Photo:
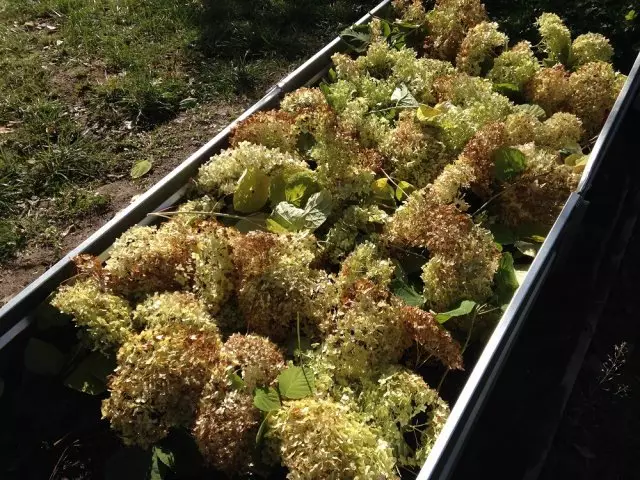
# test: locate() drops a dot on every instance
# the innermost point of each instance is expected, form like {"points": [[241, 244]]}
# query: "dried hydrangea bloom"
{"points": [[273, 129], [214, 273], [590, 47], [356, 221], [157, 385], [194, 212], [556, 37], [481, 44], [105, 316], [516, 66], [549, 89], [321, 439], [371, 130], [560, 131], [258, 359], [521, 127], [395, 402], [220, 175], [478, 154], [435, 340], [454, 177], [375, 91], [541, 191], [419, 74], [346, 67], [303, 99], [369, 333], [463, 273], [593, 92], [277, 286], [378, 60], [462, 89], [225, 429], [174, 308], [449, 23], [411, 11], [149, 259], [365, 263], [415, 154]]}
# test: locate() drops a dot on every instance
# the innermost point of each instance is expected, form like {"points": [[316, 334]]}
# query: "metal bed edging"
{"points": [[156, 197], [448, 446]]}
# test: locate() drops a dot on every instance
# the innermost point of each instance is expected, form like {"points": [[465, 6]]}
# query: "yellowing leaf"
{"points": [[403, 190], [252, 191], [425, 113], [141, 168]]}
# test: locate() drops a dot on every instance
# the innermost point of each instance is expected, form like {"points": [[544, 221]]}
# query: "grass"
{"points": [[85, 84]]}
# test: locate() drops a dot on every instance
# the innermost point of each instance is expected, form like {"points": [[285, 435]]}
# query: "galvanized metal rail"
{"points": [[17, 315]]}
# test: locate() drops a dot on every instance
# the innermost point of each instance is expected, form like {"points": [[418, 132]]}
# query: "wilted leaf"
{"points": [[505, 280], [509, 162], [295, 383], [288, 218], [465, 308], [581, 164], [299, 188], [527, 248], [43, 358], [141, 168], [252, 191], [573, 159], [383, 192], [403, 190], [403, 97], [90, 376], [401, 288], [266, 399], [532, 109]]}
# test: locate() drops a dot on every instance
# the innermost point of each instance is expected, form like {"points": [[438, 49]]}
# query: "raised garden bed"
{"points": [[356, 251]]}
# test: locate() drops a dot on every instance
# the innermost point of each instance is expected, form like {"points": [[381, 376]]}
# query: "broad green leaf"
{"points": [[520, 273], [507, 89], [236, 381], [90, 376], [630, 16], [505, 280], [532, 109], [527, 248], [465, 308], [386, 28], [425, 113], [357, 37], [289, 218], [509, 162], [277, 189], [574, 158], [255, 221], [383, 192], [502, 234], [403, 97], [299, 188], [43, 358], [162, 463], [401, 288], [403, 190], [266, 399], [333, 76], [252, 191], [141, 168], [295, 383]]}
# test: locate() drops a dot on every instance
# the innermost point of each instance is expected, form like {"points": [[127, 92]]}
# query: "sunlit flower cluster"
{"points": [[480, 46]]}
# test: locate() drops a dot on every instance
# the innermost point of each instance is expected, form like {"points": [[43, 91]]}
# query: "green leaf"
{"points": [[357, 37], [43, 358], [162, 463], [141, 168], [527, 248], [289, 218], [403, 97], [581, 164], [90, 376], [299, 188], [573, 159], [425, 113], [503, 234], [333, 76], [266, 399], [403, 190], [236, 381], [277, 189], [252, 191], [532, 109], [465, 308], [509, 162], [383, 192], [295, 383], [255, 221], [509, 90], [505, 280], [630, 16], [400, 287]]}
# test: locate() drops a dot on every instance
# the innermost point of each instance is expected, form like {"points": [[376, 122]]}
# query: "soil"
{"points": [[170, 143]]}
